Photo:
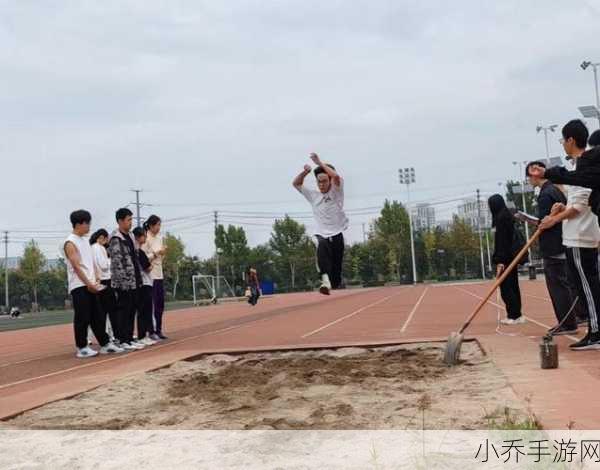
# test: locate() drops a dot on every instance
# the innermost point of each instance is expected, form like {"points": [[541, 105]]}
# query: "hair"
{"points": [[594, 140], [576, 130], [139, 232], [80, 217], [123, 213], [152, 221], [320, 170], [97, 234], [497, 207], [530, 164]]}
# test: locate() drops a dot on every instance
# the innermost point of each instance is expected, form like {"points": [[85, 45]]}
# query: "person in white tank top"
{"points": [[83, 287]]}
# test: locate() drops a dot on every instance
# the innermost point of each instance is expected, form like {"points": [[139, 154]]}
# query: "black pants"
{"points": [[144, 311], [511, 295], [584, 263], [562, 291], [254, 295], [87, 314], [108, 305], [126, 308], [330, 258]]}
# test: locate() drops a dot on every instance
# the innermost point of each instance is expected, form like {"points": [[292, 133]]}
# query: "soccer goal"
{"points": [[208, 287]]}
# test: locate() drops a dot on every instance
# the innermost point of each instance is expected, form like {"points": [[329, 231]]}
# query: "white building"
{"points": [[468, 211], [423, 216]]}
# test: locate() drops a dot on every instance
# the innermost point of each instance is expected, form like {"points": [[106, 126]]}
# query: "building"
{"points": [[423, 216], [468, 211]]}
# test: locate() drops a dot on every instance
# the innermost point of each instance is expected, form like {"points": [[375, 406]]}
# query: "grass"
{"points": [[506, 420], [59, 317]]}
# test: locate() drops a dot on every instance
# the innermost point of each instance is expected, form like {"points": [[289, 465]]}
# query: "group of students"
{"points": [[119, 277], [568, 205]]}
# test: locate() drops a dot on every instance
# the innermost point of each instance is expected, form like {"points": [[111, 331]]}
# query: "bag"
{"points": [[518, 242], [248, 293]]}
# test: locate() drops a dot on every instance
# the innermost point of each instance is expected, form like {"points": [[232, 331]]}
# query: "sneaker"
{"points": [[582, 321], [137, 345], [127, 347], [590, 341], [111, 348], [161, 336], [556, 331], [325, 288], [86, 352], [155, 337], [147, 341]]}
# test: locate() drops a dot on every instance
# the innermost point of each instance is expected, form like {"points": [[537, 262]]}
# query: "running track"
{"points": [[38, 366]]}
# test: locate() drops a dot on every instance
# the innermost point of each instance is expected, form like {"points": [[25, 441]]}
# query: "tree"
{"points": [[31, 267], [173, 257], [392, 228], [234, 250], [291, 247]]}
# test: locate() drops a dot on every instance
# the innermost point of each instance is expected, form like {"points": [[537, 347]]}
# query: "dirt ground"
{"points": [[401, 387]]}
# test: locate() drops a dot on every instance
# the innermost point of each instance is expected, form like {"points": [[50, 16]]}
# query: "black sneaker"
{"points": [[161, 336], [590, 341], [582, 321]]}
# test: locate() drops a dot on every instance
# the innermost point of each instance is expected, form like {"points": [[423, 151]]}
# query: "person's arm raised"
{"points": [[335, 177], [299, 180]]}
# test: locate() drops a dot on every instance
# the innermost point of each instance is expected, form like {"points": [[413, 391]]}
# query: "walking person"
{"points": [[581, 234], [559, 279], [126, 277], [253, 286], [155, 249], [144, 293], [106, 297], [507, 243], [83, 287], [328, 209]]}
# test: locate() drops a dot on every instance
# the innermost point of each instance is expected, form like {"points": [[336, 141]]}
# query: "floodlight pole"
{"points": [[584, 65], [521, 163], [407, 177]]}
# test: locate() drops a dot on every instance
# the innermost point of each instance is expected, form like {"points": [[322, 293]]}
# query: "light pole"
{"points": [[551, 128], [479, 233], [520, 164], [407, 176], [584, 65]]}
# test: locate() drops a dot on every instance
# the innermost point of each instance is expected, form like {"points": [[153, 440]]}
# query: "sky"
{"points": [[209, 105]]}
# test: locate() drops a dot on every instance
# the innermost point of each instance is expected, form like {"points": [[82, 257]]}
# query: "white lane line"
{"points": [[414, 310], [537, 297], [503, 308], [356, 312]]}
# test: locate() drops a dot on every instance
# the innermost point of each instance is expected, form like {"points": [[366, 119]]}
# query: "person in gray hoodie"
{"points": [[126, 277]]}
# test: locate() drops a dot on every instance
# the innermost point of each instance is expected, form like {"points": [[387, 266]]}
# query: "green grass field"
{"points": [[58, 317]]}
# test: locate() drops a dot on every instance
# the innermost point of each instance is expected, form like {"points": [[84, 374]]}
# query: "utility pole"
{"points": [[6, 300], [138, 217], [489, 256], [218, 284], [584, 65], [407, 177], [479, 233], [520, 164]]}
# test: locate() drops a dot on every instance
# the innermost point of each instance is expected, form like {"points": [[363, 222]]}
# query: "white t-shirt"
{"points": [[581, 231], [101, 261], [328, 209], [86, 262]]}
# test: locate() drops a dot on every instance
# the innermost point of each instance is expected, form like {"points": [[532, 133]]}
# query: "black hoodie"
{"points": [[503, 221], [586, 175]]}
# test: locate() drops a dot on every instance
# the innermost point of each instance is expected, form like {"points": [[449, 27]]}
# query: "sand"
{"points": [[400, 387]]}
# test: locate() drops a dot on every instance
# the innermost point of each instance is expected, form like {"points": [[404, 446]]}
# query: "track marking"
{"points": [[414, 310], [503, 308], [537, 297], [356, 312]]}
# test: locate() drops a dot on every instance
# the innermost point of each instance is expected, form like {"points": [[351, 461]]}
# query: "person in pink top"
{"points": [[155, 250]]}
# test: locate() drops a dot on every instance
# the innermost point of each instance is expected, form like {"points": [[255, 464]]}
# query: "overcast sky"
{"points": [[214, 105]]}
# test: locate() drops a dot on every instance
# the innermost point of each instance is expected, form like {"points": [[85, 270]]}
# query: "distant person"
{"points": [[253, 286], [328, 209], [83, 287], [144, 297], [581, 234], [507, 243], [126, 277], [155, 250], [559, 279], [106, 297], [594, 140], [15, 312]]}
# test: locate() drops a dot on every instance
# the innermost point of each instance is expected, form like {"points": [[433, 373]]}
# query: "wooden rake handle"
{"points": [[501, 279]]}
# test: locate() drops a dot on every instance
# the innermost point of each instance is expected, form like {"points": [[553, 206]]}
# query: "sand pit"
{"points": [[350, 388]]}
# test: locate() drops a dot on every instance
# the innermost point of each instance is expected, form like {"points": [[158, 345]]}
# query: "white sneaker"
{"points": [[137, 345], [111, 348], [325, 288], [147, 341], [127, 347], [510, 321], [86, 352], [520, 320]]}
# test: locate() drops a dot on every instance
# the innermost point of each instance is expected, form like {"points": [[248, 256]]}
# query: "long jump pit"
{"points": [[396, 387]]}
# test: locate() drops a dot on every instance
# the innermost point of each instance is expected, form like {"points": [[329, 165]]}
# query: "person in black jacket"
{"points": [[587, 171], [504, 252], [559, 279]]}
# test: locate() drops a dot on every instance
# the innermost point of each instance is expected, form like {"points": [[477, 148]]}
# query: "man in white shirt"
{"points": [[331, 221], [581, 236]]}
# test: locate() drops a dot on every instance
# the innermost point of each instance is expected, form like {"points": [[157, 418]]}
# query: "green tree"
{"points": [[174, 255], [31, 266], [392, 228], [292, 249], [234, 250]]}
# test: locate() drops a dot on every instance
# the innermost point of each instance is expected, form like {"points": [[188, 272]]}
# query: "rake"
{"points": [[455, 340]]}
